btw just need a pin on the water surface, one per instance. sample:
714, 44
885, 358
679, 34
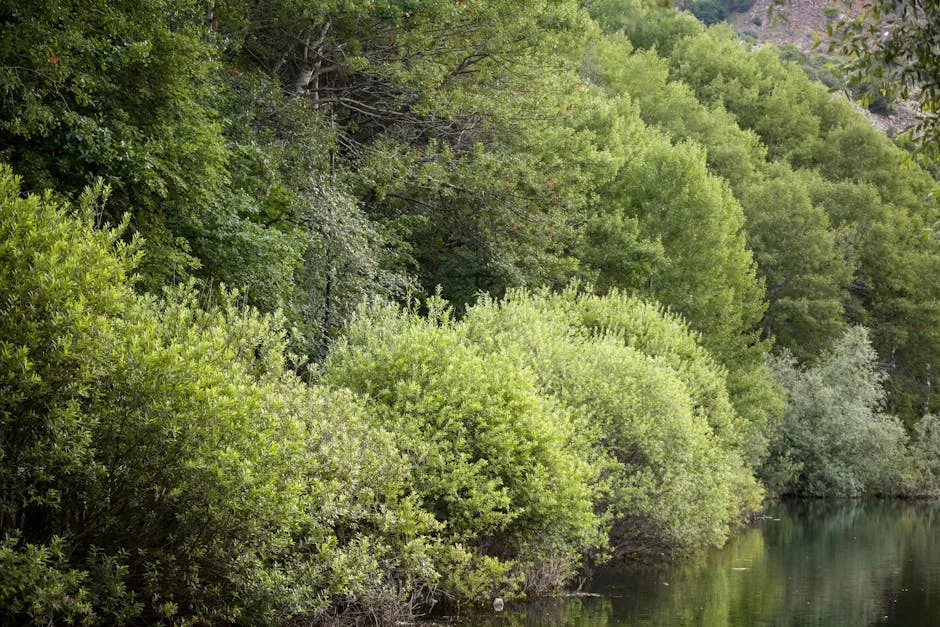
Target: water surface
805, 563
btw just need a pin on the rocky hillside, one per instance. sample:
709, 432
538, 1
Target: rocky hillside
795, 22
802, 23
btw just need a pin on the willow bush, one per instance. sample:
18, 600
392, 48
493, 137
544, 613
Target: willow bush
160, 461
923, 472
835, 438
664, 430
502, 468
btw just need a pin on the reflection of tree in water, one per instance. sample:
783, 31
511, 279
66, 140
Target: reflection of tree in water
819, 562
913, 600
846, 559
585, 611
716, 588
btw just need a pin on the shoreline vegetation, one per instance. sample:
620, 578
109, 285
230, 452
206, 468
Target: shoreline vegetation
318, 312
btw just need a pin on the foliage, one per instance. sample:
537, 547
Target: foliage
826, 69
224, 177
671, 106
834, 439
74, 109
667, 337
161, 463
668, 440
714, 11
704, 270
878, 222
647, 24
435, 132
799, 257
894, 43
502, 468
924, 472
707, 275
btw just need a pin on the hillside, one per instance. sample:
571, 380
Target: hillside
319, 313
794, 22
802, 23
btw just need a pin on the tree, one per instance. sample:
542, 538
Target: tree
137, 93
162, 462
834, 439
672, 450
889, 241
896, 42
797, 253
672, 107
500, 466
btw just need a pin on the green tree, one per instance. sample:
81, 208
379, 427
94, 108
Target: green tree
894, 42
924, 471
888, 241
502, 468
224, 177
653, 400
435, 133
160, 460
733, 153
708, 275
647, 24
77, 106
834, 439
798, 254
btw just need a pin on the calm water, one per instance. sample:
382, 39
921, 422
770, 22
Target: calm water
806, 563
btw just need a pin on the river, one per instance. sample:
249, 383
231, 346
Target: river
839, 562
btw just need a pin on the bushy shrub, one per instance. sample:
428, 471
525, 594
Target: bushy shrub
160, 461
714, 11
666, 435
666, 337
659, 29
834, 439
499, 466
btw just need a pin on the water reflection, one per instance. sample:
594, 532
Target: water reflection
807, 563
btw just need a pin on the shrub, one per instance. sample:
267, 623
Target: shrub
649, 395
833, 439
499, 466
924, 473
161, 462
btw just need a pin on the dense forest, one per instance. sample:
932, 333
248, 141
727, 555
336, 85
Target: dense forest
343, 309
